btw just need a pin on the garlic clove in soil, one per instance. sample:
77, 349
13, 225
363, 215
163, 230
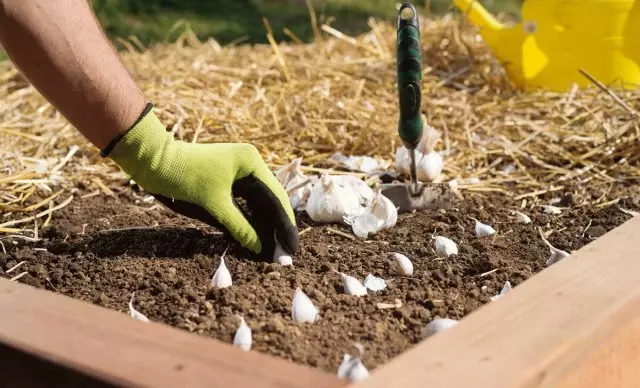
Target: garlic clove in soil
438, 325
222, 277
483, 230
242, 338
505, 289
404, 264
556, 254
550, 209
280, 256
522, 218
374, 283
445, 247
330, 202
135, 314
352, 368
385, 211
352, 286
302, 308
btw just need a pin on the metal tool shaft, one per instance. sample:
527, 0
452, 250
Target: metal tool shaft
412, 171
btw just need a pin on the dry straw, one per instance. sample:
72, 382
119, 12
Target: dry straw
335, 94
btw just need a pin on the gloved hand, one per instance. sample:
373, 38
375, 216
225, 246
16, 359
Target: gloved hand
202, 181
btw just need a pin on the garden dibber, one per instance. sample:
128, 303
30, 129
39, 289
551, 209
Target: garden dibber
412, 195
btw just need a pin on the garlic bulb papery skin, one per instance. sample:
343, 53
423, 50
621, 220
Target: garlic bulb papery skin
352, 286
330, 202
404, 264
385, 211
135, 314
302, 308
505, 289
550, 209
556, 254
363, 224
374, 283
352, 369
280, 256
483, 230
438, 325
359, 187
242, 338
364, 164
445, 247
522, 218
222, 277
291, 176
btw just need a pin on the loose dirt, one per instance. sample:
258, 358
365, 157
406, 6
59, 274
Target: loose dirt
101, 249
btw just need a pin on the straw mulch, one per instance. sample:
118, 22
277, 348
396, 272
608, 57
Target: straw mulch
337, 94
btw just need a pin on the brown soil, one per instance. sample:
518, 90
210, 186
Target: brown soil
168, 261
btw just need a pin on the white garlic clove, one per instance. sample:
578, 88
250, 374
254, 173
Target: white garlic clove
550, 209
522, 218
445, 247
505, 289
385, 211
374, 283
352, 368
556, 254
280, 256
242, 338
405, 265
352, 286
302, 308
438, 325
429, 167
222, 277
135, 314
483, 230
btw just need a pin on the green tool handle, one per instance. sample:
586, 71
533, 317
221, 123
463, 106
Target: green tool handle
409, 62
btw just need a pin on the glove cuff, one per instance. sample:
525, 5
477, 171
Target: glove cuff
107, 150
149, 154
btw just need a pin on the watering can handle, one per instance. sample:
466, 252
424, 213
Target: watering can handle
478, 15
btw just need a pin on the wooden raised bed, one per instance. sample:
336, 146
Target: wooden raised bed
575, 324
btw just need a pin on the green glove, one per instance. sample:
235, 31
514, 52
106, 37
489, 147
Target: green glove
202, 181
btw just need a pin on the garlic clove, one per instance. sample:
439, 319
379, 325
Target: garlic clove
556, 254
374, 283
135, 314
445, 247
483, 230
405, 265
242, 338
550, 209
352, 286
222, 277
429, 167
385, 211
505, 289
522, 218
302, 308
352, 368
438, 325
280, 256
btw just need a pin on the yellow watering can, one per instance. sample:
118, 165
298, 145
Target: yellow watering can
556, 38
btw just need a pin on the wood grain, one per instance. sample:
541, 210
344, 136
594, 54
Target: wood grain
51, 340
575, 324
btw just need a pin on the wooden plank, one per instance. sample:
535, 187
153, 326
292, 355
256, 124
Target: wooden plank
575, 324
48, 339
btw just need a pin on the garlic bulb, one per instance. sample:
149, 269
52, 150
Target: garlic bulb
330, 202
505, 289
135, 314
302, 308
438, 325
404, 264
222, 277
385, 211
361, 189
280, 256
550, 209
429, 166
403, 160
483, 230
556, 254
352, 369
445, 247
352, 286
296, 184
522, 218
374, 283
242, 338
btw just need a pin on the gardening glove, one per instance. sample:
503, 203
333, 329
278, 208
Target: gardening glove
202, 181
